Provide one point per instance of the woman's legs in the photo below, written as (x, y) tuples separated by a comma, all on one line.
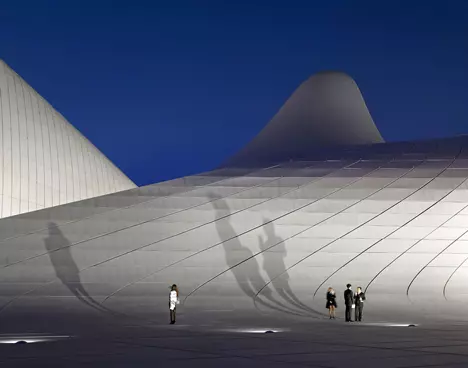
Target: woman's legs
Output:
[(332, 310)]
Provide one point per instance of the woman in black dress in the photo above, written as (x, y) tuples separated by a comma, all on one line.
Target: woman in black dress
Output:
[(331, 302)]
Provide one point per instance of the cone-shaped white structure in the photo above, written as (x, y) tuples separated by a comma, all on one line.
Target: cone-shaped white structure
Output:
[(45, 161), (326, 110)]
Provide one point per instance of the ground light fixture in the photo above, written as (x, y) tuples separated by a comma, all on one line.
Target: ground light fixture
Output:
[(30, 339)]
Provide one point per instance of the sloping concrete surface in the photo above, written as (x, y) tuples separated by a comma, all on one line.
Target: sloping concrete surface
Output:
[(251, 250)]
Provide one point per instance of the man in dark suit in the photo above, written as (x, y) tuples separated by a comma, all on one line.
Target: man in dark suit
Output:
[(349, 301)]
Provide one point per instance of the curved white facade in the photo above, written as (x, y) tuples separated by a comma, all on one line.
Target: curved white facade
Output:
[(45, 161), (254, 249)]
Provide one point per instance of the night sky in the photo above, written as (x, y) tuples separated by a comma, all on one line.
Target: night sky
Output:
[(172, 88)]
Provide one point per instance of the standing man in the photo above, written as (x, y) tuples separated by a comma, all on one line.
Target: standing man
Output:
[(349, 302), (359, 298)]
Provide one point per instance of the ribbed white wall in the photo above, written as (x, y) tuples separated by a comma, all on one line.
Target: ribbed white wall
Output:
[(44, 160)]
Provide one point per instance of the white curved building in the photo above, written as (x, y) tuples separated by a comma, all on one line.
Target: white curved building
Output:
[(255, 248), (45, 161)]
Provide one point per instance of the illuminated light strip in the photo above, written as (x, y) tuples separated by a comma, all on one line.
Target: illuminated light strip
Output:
[(388, 324), (31, 339), (258, 331), (14, 341)]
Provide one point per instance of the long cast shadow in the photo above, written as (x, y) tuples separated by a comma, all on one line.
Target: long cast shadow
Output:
[(275, 267), (248, 278), (59, 250)]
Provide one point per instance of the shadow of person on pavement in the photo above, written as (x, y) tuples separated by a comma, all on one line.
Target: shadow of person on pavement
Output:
[(247, 276), (274, 252), (59, 251)]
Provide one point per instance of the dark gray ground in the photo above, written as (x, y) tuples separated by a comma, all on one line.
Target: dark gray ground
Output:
[(231, 342)]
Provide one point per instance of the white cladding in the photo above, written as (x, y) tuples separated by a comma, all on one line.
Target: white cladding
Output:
[(246, 243), (44, 160)]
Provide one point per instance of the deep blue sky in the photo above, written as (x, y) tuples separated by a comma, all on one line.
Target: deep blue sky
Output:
[(171, 88)]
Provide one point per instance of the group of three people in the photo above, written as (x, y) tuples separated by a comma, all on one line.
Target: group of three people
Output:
[(353, 300)]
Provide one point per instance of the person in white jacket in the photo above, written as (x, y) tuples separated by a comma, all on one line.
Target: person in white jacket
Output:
[(173, 301)]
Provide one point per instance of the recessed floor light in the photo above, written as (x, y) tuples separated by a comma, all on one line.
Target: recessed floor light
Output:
[(255, 330), (387, 324), (29, 339)]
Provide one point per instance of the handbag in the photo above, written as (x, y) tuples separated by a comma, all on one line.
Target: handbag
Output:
[(353, 306)]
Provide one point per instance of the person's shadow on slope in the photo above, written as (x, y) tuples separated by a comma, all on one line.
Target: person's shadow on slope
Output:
[(274, 252), (59, 251), (247, 276)]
